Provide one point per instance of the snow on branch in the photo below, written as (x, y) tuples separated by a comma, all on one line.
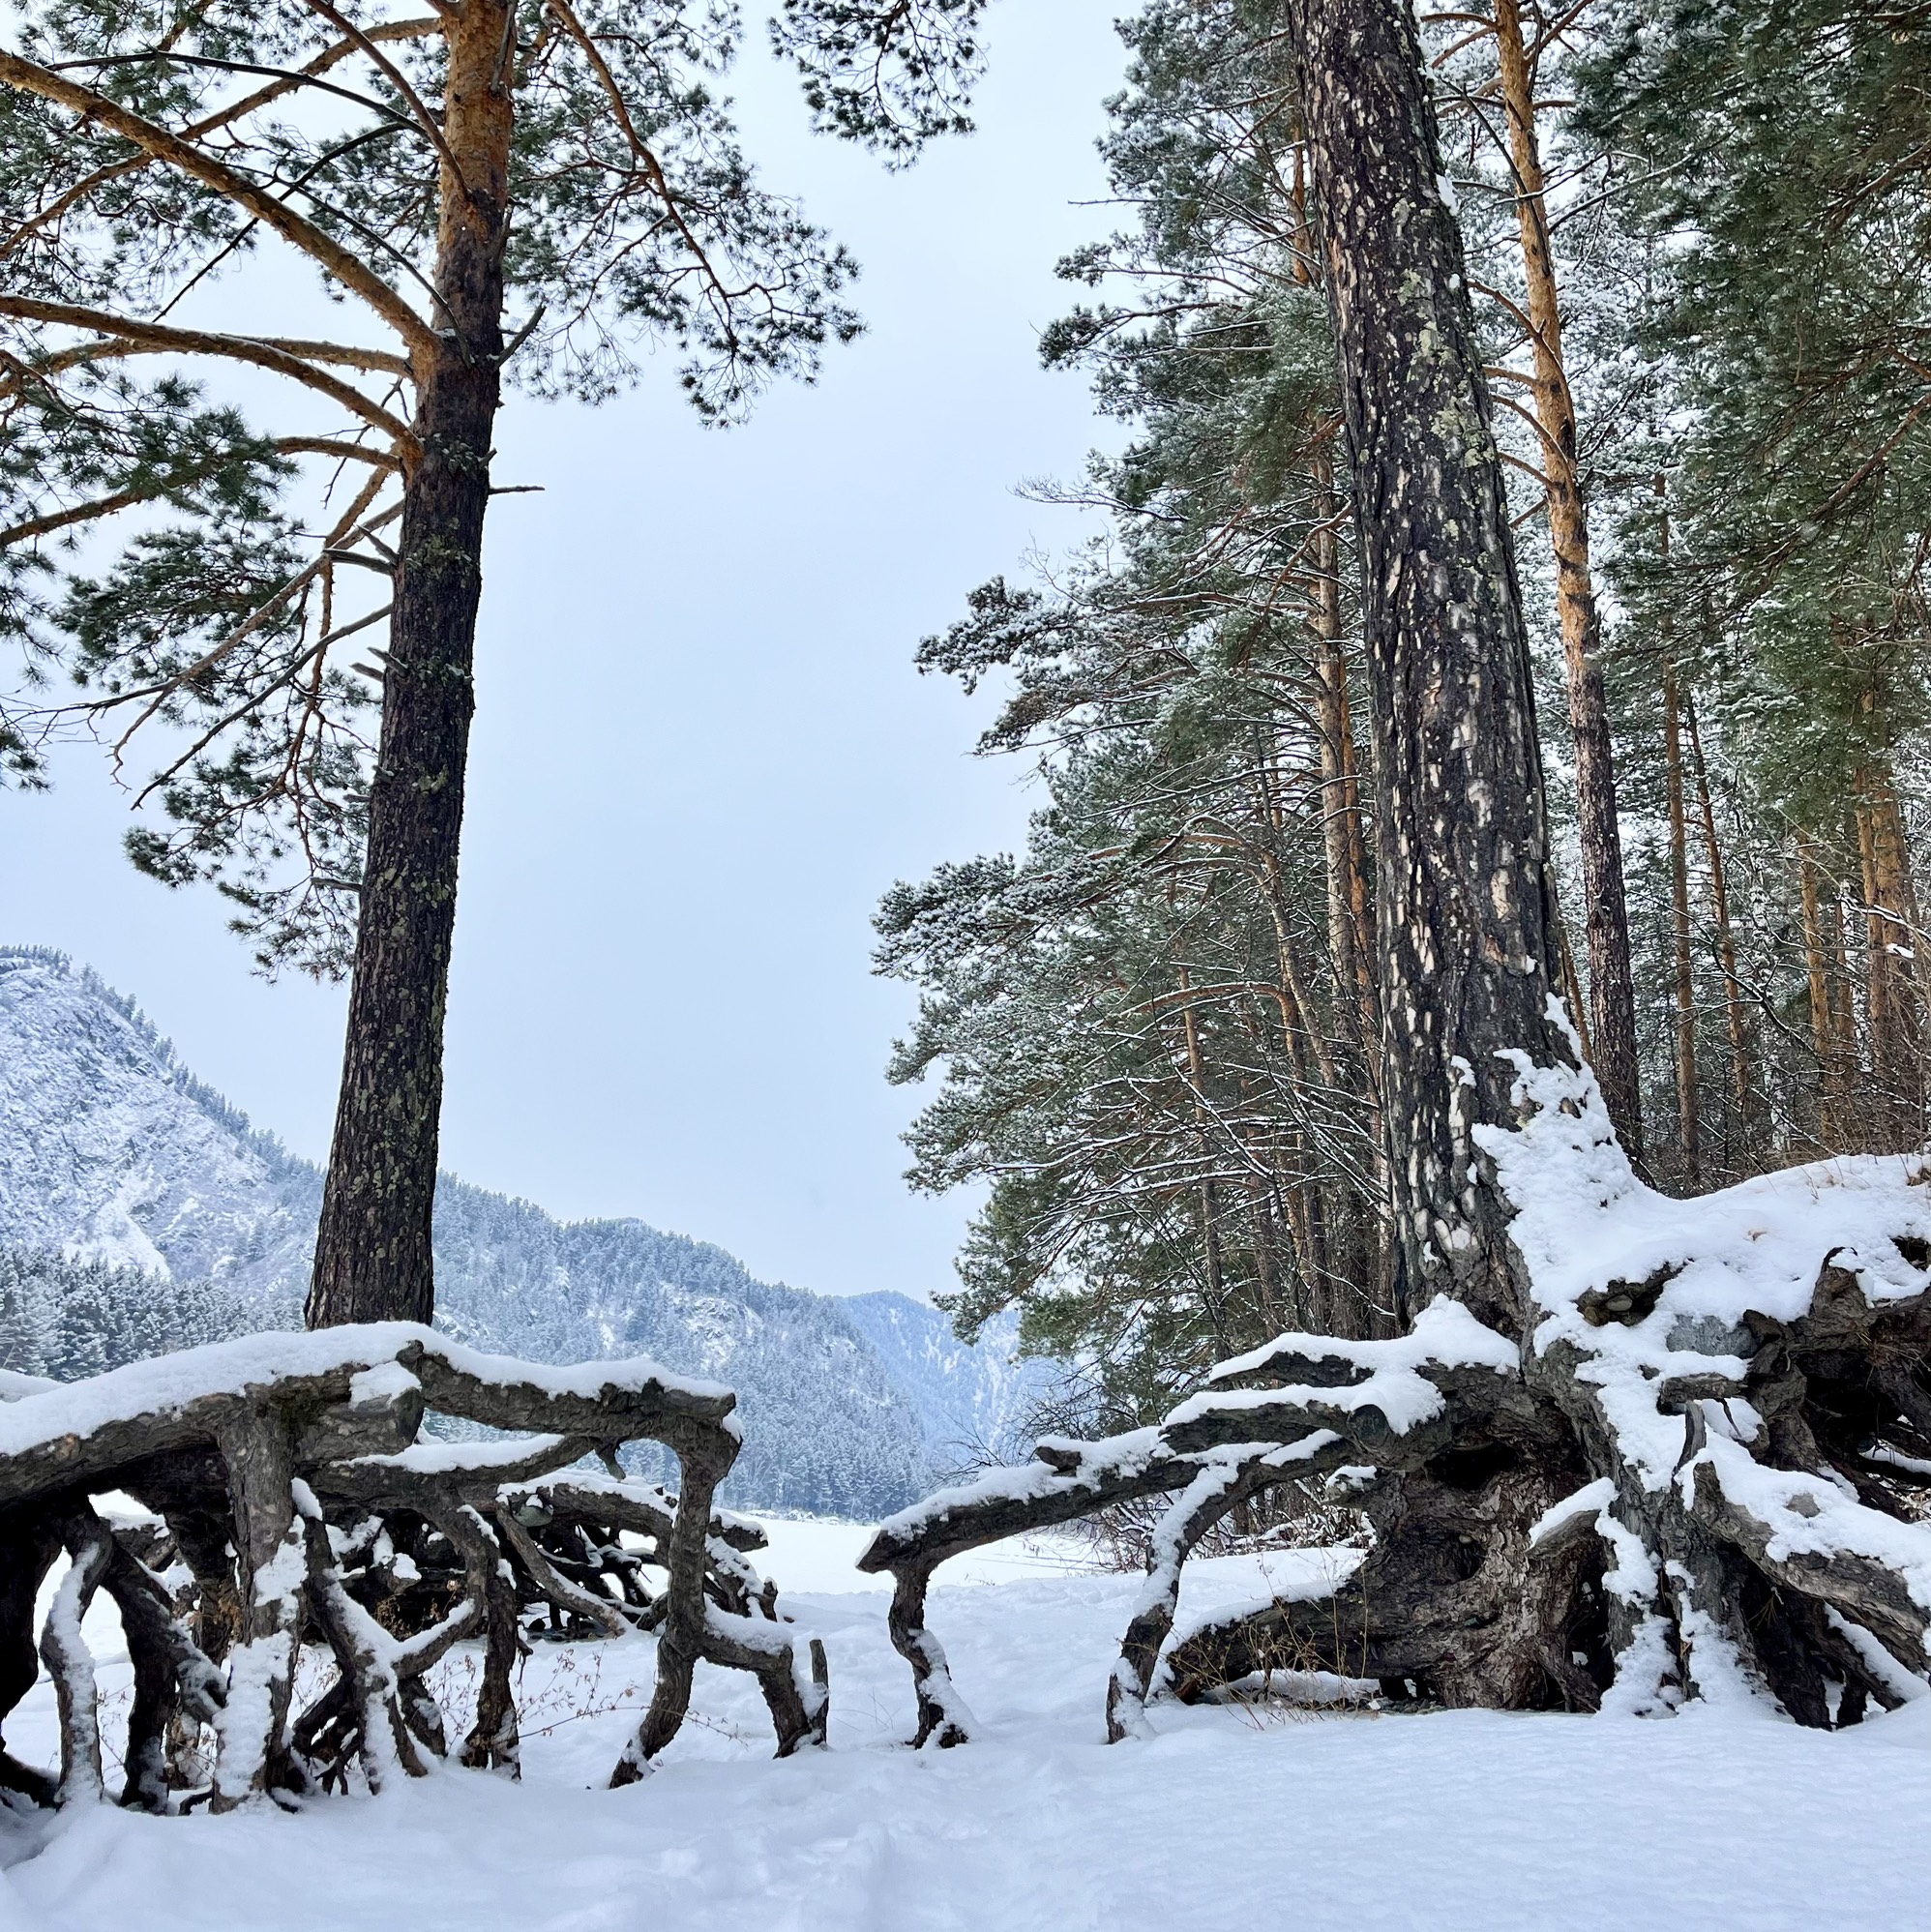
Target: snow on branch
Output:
[(1751, 1366), (291, 1502)]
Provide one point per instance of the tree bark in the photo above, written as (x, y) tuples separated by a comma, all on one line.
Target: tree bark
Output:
[(1890, 916), (1843, 994), (1606, 919), (372, 1255), (1572, 984), (1350, 910), (1351, 916), (1464, 912), (1350, 913), (1689, 1129), (1744, 1104), (259, 1449), (1830, 1121)]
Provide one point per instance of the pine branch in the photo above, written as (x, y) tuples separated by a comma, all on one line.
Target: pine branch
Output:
[(125, 499), (283, 360), (396, 78), (223, 117), (31, 78)]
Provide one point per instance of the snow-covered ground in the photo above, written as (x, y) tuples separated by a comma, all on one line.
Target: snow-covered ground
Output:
[(1242, 1818)]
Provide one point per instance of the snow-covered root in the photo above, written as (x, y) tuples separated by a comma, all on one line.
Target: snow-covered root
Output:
[(175, 1682), (789, 1667), (1303, 1405), (1705, 1482), (1227, 1477), (1448, 1603), (693, 1628), (293, 1503), (943, 1718), (1064, 1481), (1704, 1479), (256, 1441), (69, 1663), (1747, 1375), (364, 1711), (1693, 1469)]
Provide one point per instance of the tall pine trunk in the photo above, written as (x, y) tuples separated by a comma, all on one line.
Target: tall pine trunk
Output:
[(1817, 972), (373, 1256), (1843, 994), (1605, 916), (1689, 1137), (1350, 918), (1890, 916), (1464, 911), (1572, 984), (1745, 1109)]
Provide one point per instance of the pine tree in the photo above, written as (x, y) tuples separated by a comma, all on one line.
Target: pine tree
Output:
[(1612, 1005), (524, 185), (1469, 959), (1791, 584), (1158, 1026)]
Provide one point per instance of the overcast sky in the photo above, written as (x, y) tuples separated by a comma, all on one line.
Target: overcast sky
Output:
[(700, 750)]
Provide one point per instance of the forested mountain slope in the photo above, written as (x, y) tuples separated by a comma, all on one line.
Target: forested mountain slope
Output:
[(130, 1189), (975, 1400)]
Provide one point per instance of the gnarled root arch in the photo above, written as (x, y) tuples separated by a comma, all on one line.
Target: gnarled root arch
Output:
[(1695, 1470), (292, 1504)]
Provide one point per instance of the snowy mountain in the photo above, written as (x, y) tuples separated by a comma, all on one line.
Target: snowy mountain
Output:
[(112, 1153), (973, 1401)]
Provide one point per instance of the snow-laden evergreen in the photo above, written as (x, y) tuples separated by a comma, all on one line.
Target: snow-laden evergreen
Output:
[(131, 1193)]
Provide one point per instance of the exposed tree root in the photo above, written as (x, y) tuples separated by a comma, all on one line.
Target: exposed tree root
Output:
[(300, 1509), (1694, 1469)]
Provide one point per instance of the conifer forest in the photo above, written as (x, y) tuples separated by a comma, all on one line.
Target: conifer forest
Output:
[(1436, 1096)]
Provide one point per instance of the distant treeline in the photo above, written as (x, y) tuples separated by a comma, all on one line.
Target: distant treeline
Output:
[(68, 1319)]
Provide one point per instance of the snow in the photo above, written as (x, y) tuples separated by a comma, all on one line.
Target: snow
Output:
[(460, 1458), (1591, 1500), (131, 1161), (1445, 1333), (1878, 1661), (1224, 1819), (1220, 1470), (1584, 1223), (970, 1398), (1027, 1482), (1584, 1220), (171, 1382), (1807, 1515), (379, 1386), (113, 1236), (583, 1379)]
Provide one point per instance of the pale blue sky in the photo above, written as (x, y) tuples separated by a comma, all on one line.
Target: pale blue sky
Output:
[(702, 752)]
